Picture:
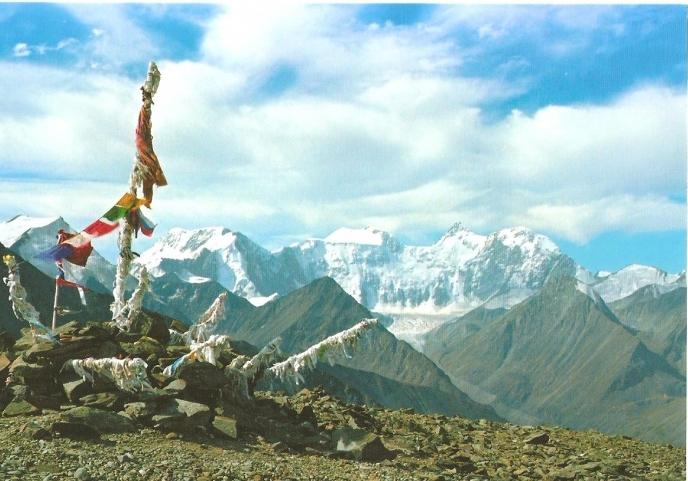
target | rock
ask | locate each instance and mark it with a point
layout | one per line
(179, 326)
(202, 375)
(20, 408)
(236, 389)
(81, 348)
(144, 348)
(28, 373)
(4, 363)
(139, 410)
(103, 400)
(71, 430)
(82, 474)
(125, 458)
(176, 387)
(35, 431)
(541, 438)
(179, 414)
(306, 414)
(103, 421)
(226, 426)
(151, 325)
(74, 390)
(360, 444)
(6, 341)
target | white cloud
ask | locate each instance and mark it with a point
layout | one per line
(379, 129)
(115, 40)
(581, 222)
(21, 50)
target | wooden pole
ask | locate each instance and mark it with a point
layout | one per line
(150, 87)
(57, 293)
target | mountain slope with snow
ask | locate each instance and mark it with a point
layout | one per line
(623, 283)
(421, 286)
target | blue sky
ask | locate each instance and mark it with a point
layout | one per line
(290, 123)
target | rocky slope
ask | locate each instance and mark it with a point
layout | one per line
(427, 448)
(659, 315)
(383, 368)
(563, 357)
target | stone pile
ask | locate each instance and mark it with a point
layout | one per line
(201, 400)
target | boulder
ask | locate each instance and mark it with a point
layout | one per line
(176, 387)
(145, 348)
(75, 390)
(227, 427)
(6, 341)
(141, 411)
(151, 325)
(34, 430)
(103, 400)
(28, 373)
(20, 407)
(103, 421)
(202, 375)
(79, 431)
(5, 363)
(81, 347)
(540, 438)
(360, 445)
(179, 414)
(179, 326)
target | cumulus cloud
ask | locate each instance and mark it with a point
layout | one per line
(580, 222)
(21, 50)
(378, 128)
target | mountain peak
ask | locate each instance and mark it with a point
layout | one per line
(13, 229)
(366, 236)
(525, 238)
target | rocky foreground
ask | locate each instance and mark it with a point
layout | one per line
(204, 421)
(416, 447)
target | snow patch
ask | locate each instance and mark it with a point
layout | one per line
(12, 230)
(262, 300)
(367, 236)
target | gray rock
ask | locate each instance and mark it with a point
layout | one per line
(540, 438)
(226, 426)
(202, 375)
(78, 431)
(82, 474)
(151, 325)
(179, 414)
(139, 410)
(360, 445)
(103, 421)
(20, 408)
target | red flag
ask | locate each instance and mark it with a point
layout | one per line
(152, 174)
(79, 254)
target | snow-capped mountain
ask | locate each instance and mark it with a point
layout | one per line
(460, 271)
(29, 236)
(229, 258)
(622, 283)
(420, 286)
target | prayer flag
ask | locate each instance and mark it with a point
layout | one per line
(152, 172)
(76, 248)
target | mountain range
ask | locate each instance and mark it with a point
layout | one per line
(513, 321)
(564, 357)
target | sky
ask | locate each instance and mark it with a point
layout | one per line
(290, 122)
